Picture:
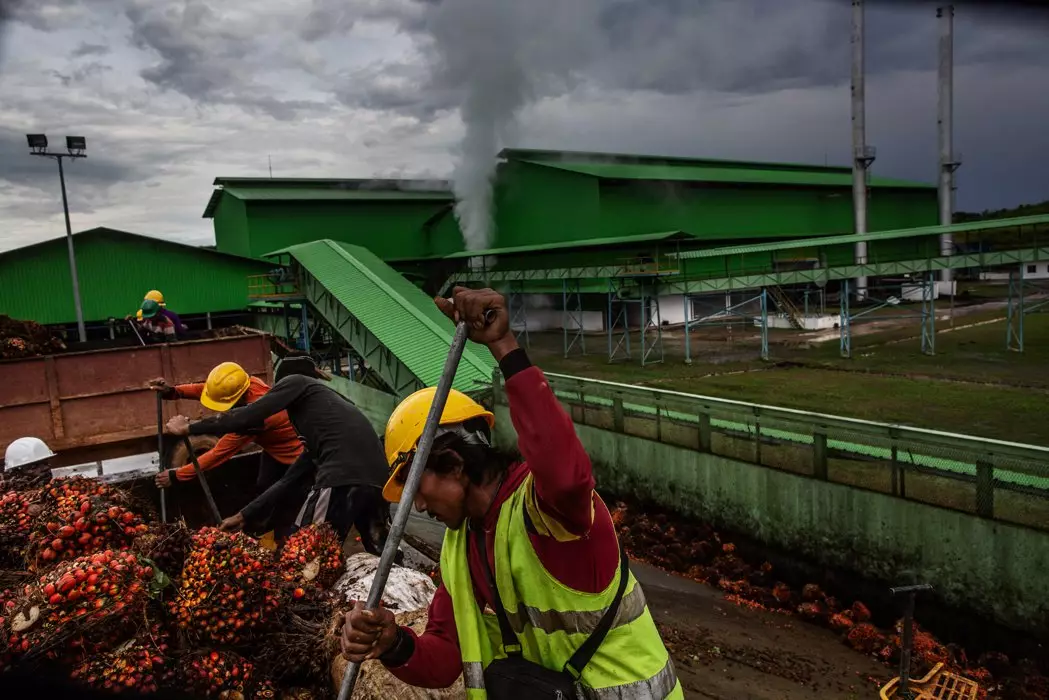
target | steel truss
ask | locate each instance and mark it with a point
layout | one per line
(572, 317)
(650, 327)
(1020, 305)
(726, 316)
(517, 307)
(876, 303)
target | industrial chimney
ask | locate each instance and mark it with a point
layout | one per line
(862, 154)
(948, 162)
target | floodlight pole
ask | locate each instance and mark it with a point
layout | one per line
(81, 329)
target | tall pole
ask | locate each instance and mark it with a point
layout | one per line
(81, 329)
(946, 129)
(861, 155)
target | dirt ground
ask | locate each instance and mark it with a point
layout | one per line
(725, 652)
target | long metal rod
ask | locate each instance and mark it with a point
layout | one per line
(411, 485)
(135, 329)
(203, 481)
(81, 329)
(160, 456)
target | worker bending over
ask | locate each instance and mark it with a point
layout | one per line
(228, 386)
(162, 323)
(549, 545)
(343, 459)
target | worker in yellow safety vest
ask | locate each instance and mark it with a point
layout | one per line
(530, 541)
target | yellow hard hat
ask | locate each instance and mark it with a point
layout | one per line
(225, 385)
(154, 295)
(138, 315)
(405, 427)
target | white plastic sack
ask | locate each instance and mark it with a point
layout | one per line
(406, 589)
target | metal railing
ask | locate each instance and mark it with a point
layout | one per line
(991, 478)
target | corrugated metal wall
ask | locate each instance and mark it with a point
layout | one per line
(116, 270)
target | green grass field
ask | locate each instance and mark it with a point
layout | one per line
(971, 386)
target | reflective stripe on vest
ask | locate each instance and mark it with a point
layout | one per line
(631, 608)
(551, 619)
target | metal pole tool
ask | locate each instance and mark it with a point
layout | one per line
(137, 334)
(907, 643)
(203, 481)
(411, 485)
(160, 456)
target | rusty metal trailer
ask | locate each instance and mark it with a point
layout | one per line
(97, 405)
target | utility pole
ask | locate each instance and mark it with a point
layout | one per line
(948, 162)
(75, 145)
(862, 154)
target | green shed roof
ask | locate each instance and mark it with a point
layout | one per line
(399, 314)
(547, 156)
(1041, 219)
(587, 243)
(311, 189)
(700, 173)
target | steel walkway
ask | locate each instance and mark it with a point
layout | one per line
(392, 324)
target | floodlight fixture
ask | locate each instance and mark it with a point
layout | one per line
(37, 142)
(76, 145)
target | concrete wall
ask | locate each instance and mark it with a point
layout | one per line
(996, 569)
(376, 405)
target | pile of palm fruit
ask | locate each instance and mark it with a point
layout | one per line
(93, 587)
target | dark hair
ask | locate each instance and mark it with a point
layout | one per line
(469, 444)
(298, 364)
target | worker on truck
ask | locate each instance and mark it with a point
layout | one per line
(342, 463)
(227, 387)
(549, 545)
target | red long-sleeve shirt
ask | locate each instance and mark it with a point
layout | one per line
(278, 437)
(574, 536)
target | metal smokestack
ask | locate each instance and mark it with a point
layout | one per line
(948, 163)
(862, 155)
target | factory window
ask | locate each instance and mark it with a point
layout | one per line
(1032, 269)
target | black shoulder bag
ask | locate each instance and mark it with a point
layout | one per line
(516, 678)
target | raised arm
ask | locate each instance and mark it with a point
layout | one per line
(227, 446)
(254, 415)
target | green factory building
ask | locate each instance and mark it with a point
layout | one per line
(561, 198)
(116, 269)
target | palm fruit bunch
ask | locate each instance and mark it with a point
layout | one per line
(89, 603)
(166, 545)
(311, 557)
(16, 521)
(81, 517)
(138, 666)
(219, 674)
(228, 588)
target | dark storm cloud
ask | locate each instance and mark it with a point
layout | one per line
(86, 49)
(205, 57)
(81, 73)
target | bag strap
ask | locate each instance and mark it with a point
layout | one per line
(511, 644)
(575, 665)
(586, 651)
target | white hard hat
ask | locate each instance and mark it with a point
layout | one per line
(26, 451)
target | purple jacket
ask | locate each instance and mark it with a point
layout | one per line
(180, 328)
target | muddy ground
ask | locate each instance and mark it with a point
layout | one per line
(726, 652)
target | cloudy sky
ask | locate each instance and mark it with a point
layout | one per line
(172, 93)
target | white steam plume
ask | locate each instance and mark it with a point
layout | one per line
(496, 54)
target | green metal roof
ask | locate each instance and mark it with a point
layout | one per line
(587, 243)
(399, 314)
(633, 158)
(700, 173)
(868, 237)
(308, 189)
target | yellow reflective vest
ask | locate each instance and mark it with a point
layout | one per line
(552, 620)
